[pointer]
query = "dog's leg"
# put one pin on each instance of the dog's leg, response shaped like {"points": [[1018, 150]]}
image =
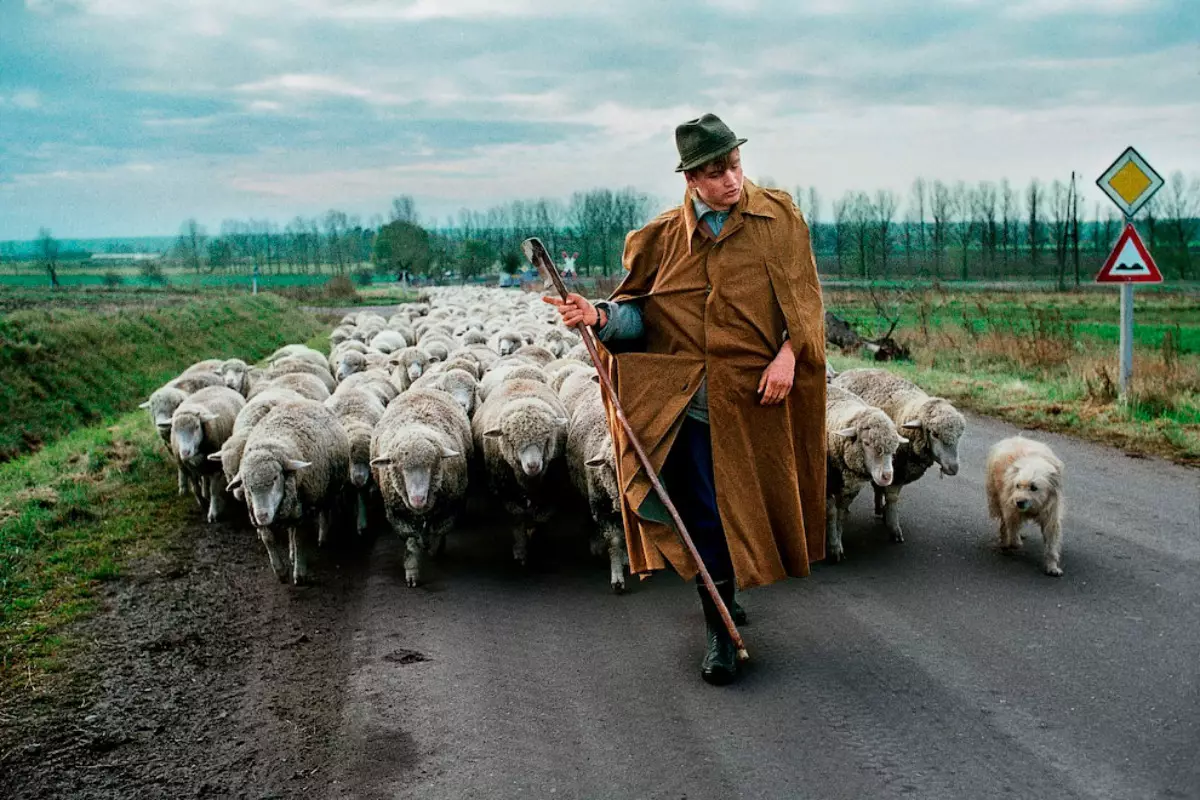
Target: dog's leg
{"points": [[891, 513], [1052, 548], [1010, 530]]}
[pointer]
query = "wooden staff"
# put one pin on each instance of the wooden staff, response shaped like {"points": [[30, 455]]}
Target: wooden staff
{"points": [[535, 251]]}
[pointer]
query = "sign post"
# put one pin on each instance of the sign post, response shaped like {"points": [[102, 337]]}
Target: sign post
{"points": [[1129, 182]]}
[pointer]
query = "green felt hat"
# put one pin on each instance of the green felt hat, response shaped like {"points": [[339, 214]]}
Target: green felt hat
{"points": [[701, 140]]}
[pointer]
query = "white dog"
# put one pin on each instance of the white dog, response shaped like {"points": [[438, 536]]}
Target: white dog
{"points": [[1025, 482]]}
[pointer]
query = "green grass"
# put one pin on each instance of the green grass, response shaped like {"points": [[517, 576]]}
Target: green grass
{"points": [[73, 515], [65, 368]]}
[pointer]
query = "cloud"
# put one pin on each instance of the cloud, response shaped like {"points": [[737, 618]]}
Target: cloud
{"points": [[287, 106]]}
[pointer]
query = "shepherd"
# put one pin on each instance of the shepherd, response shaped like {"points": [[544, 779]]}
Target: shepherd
{"points": [[717, 347]]}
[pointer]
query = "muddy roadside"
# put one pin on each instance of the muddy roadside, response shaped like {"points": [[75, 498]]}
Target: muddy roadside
{"points": [[202, 676]]}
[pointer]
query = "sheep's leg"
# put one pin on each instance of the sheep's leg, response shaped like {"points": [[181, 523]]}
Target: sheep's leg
{"points": [[278, 565], [891, 513], [521, 535], [361, 524], [322, 526], [1052, 548], [216, 497], [198, 491], [183, 480], [833, 531], [412, 561], [879, 501], [616, 559], [299, 556]]}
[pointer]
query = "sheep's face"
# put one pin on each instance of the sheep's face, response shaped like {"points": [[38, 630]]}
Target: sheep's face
{"points": [[360, 460], [530, 439], [187, 435], [235, 377], [602, 474], [269, 486], [1033, 481], [417, 469], [414, 362], [879, 441], [509, 342], [943, 425], [349, 363]]}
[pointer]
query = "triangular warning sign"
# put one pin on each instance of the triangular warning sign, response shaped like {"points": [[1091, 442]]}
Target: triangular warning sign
{"points": [[1129, 261]]}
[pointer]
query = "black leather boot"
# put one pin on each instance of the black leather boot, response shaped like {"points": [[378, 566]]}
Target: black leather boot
{"points": [[719, 666]]}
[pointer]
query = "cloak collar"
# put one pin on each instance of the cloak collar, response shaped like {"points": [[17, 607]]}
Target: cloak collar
{"points": [[753, 202]]}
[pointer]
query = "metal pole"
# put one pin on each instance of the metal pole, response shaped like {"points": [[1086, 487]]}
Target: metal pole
{"points": [[1125, 365]]}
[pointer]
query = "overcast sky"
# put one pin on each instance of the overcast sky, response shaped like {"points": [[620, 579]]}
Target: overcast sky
{"points": [[124, 117]]}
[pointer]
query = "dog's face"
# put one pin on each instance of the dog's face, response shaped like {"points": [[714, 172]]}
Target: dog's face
{"points": [[1033, 483]]}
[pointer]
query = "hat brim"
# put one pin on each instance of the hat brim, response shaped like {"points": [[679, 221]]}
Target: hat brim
{"points": [[709, 156]]}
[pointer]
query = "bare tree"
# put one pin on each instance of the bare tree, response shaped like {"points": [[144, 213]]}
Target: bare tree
{"points": [[1008, 221], [841, 226], [917, 204], [1180, 208], [1034, 205], [989, 235], [47, 248], [813, 215], [940, 209], [191, 245], [963, 207], [884, 209], [1060, 228], [404, 209]]}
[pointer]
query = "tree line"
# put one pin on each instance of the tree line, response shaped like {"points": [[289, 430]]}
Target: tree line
{"points": [[977, 231]]}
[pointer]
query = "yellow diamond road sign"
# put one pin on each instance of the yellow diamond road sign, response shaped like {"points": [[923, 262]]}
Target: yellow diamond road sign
{"points": [[1130, 182]]}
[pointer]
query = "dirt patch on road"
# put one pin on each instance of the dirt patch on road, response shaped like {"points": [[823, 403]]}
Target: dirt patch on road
{"points": [[203, 677]]}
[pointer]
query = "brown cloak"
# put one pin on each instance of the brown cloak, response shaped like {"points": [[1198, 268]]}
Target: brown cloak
{"points": [[720, 308]]}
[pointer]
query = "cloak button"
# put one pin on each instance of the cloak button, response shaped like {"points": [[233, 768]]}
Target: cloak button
{"points": [[708, 288]]}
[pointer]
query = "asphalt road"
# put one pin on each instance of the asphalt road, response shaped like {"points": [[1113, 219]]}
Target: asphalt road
{"points": [[938, 668]]}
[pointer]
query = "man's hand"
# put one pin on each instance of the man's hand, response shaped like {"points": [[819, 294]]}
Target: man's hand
{"points": [[777, 378], [575, 310]]}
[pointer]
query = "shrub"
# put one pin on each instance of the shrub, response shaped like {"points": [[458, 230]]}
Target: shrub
{"points": [[363, 277], [152, 273], [112, 280]]}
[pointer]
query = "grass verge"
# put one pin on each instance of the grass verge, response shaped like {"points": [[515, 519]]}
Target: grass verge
{"points": [[72, 516], [67, 368]]}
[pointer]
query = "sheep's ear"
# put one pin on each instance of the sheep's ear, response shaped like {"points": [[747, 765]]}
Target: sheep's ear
{"points": [[903, 440], [295, 464], [448, 453], [144, 405], [493, 433], [913, 423], [596, 461], [234, 484], [847, 433], [562, 421], [207, 416], [381, 461], [214, 456], [596, 378]]}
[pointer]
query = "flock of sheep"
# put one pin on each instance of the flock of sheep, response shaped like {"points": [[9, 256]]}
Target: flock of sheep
{"points": [[475, 388]]}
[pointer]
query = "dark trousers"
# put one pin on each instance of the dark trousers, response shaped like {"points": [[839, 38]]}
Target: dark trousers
{"points": [[689, 478]]}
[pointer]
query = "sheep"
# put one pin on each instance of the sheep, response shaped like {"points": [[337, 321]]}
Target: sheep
{"points": [[230, 454], [388, 341], [294, 365], [559, 371], [578, 386], [932, 425], [1024, 481], [301, 351], [861, 442], [419, 455], [581, 353], [199, 427], [163, 402], [207, 365], [473, 337], [509, 371], [506, 341], [375, 381], [340, 334], [520, 428], [191, 382], [335, 353], [410, 362], [308, 386], [485, 355], [295, 465], [591, 462], [359, 411], [534, 354], [458, 383], [436, 348]]}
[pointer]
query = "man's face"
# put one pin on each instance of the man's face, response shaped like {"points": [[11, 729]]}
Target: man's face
{"points": [[719, 188]]}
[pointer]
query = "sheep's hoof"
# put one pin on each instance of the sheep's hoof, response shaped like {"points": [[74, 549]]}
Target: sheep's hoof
{"points": [[836, 555], [898, 537], [299, 578], [618, 587], [1054, 571], [412, 581]]}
